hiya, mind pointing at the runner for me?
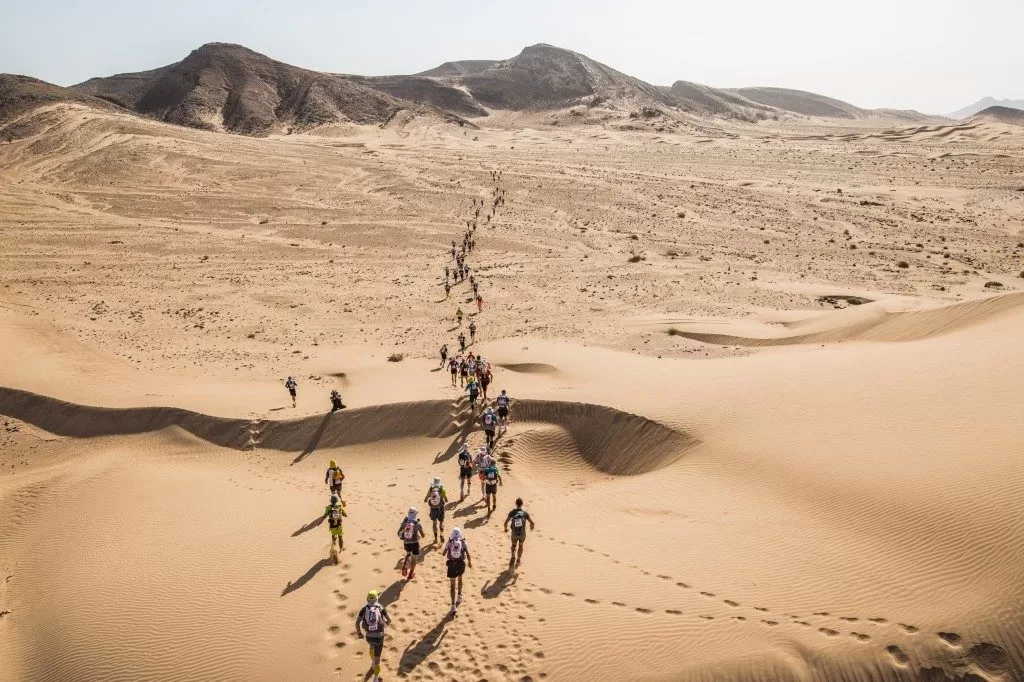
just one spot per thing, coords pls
(479, 303)
(503, 404)
(453, 367)
(493, 479)
(292, 387)
(373, 616)
(482, 461)
(334, 478)
(518, 517)
(490, 423)
(473, 389)
(333, 514)
(444, 354)
(456, 551)
(463, 371)
(447, 289)
(465, 472)
(336, 403)
(410, 533)
(458, 316)
(485, 379)
(472, 331)
(436, 499)
(462, 342)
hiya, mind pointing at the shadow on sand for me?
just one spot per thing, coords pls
(417, 652)
(314, 441)
(305, 577)
(491, 590)
(309, 526)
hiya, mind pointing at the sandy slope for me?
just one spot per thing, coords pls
(844, 508)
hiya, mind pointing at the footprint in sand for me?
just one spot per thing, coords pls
(732, 603)
(641, 609)
(849, 619)
(821, 613)
(761, 609)
(707, 617)
(334, 629)
(591, 601)
(770, 622)
(617, 603)
(828, 631)
(909, 628)
(898, 654)
(674, 612)
(880, 621)
(950, 638)
(707, 594)
(860, 636)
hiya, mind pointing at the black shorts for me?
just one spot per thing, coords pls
(412, 548)
(492, 489)
(518, 537)
(465, 472)
(456, 568)
(489, 432)
(376, 644)
(502, 411)
(336, 487)
(437, 513)
(292, 392)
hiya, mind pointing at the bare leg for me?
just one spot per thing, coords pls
(452, 590)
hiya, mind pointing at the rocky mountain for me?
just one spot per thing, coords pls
(985, 103)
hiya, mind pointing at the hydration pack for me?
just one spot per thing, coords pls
(435, 497)
(491, 474)
(335, 516)
(373, 619)
(409, 531)
(519, 521)
(488, 419)
(455, 550)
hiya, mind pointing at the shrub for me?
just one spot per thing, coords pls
(993, 285)
(903, 264)
(635, 259)
(396, 357)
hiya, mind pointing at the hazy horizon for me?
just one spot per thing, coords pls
(883, 54)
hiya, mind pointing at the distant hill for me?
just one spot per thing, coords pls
(424, 89)
(465, 67)
(22, 93)
(698, 98)
(801, 102)
(985, 103)
(1002, 115)
(232, 88)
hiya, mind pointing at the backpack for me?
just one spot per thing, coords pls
(409, 531)
(335, 516)
(519, 521)
(336, 475)
(491, 473)
(435, 497)
(488, 419)
(373, 619)
(455, 550)
(464, 459)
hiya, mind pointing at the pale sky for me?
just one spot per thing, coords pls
(932, 55)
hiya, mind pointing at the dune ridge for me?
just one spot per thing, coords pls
(601, 433)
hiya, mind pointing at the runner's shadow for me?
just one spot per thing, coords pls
(392, 593)
(305, 577)
(424, 551)
(436, 370)
(314, 441)
(477, 522)
(309, 526)
(491, 590)
(460, 439)
(467, 511)
(417, 652)
(276, 409)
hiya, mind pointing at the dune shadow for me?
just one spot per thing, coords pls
(309, 526)
(305, 577)
(417, 652)
(491, 590)
(314, 441)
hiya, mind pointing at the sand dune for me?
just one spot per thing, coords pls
(707, 507)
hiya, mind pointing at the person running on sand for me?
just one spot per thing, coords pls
(444, 354)
(462, 342)
(485, 380)
(463, 371)
(447, 289)
(334, 478)
(436, 499)
(479, 303)
(456, 552)
(490, 423)
(373, 617)
(410, 533)
(472, 331)
(518, 517)
(476, 288)
(458, 316)
(492, 477)
(465, 471)
(473, 389)
(482, 461)
(292, 387)
(503, 409)
(336, 403)
(333, 514)
(453, 367)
